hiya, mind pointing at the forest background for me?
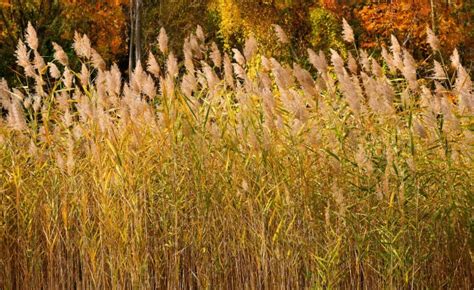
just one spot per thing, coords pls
(312, 24)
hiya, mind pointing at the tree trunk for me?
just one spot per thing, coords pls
(138, 29)
(130, 39)
(135, 45)
(433, 17)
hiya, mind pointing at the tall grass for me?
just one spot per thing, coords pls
(236, 172)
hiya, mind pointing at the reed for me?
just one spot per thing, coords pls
(236, 171)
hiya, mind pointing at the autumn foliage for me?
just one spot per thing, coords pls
(309, 24)
(107, 18)
(408, 20)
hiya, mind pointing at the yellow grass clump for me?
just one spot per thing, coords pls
(236, 171)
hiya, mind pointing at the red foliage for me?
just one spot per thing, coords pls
(408, 20)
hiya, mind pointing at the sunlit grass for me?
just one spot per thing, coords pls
(248, 175)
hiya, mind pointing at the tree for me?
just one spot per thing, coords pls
(408, 20)
(55, 20)
(240, 18)
(135, 46)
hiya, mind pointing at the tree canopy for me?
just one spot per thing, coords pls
(308, 24)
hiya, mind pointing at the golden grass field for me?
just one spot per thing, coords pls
(236, 171)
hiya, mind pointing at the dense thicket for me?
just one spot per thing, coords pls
(236, 171)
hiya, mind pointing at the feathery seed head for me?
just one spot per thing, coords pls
(152, 65)
(188, 61)
(163, 41)
(266, 64)
(100, 86)
(169, 85)
(67, 78)
(239, 71)
(84, 76)
(149, 88)
(377, 69)
(438, 71)
(36, 103)
(455, 59)
(464, 88)
(409, 70)
(200, 34)
(31, 37)
(280, 33)
(318, 61)
(97, 60)
(216, 55)
(22, 55)
(82, 45)
(352, 63)
(305, 80)
(347, 32)
(337, 62)
(432, 40)
(228, 71)
(137, 79)
(195, 47)
(54, 71)
(395, 48)
(4, 94)
(396, 52)
(389, 60)
(16, 117)
(172, 65)
(365, 60)
(238, 57)
(251, 47)
(38, 62)
(113, 80)
(188, 84)
(211, 77)
(60, 55)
